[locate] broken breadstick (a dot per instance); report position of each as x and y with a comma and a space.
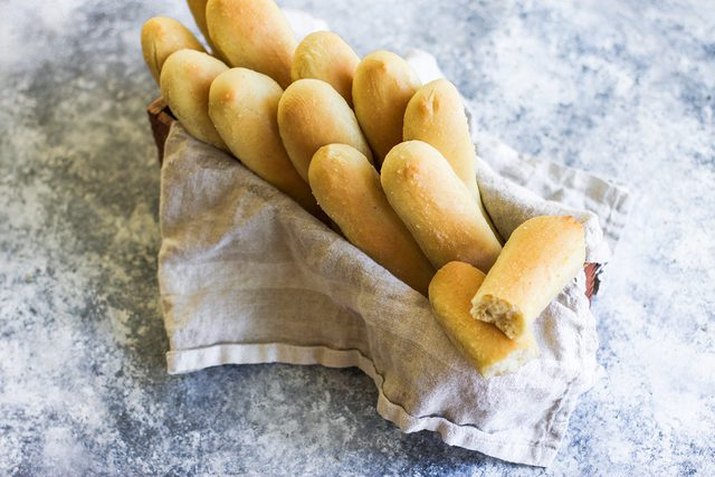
542, 255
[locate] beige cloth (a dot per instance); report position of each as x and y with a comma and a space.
247, 276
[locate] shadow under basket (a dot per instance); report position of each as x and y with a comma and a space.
161, 118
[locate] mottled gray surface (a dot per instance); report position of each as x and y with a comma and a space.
620, 88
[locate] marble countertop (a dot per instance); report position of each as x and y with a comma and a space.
622, 89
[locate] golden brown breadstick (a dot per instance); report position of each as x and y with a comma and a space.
542, 255
482, 344
162, 36
435, 115
311, 114
325, 56
348, 189
185, 81
243, 105
198, 11
253, 34
382, 87
437, 207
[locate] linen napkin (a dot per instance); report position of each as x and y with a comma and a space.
247, 276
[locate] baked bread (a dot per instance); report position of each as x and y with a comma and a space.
325, 56
198, 11
348, 189
542, 255
243, 106
435, 115
311, 114
482, 344
185, 81
162, 36
437, 207
382, 87
253, 34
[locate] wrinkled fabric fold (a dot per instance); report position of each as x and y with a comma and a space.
247, 276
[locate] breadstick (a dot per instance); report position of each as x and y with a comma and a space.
348, 189
437, 207
243, 106
482, 344
542, 255
253, 34
435, 115
382, 87
198, 11
185, 81
311, 114
325, 56
162, 36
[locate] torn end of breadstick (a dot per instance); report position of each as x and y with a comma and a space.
540, 258
505, 316
489, 350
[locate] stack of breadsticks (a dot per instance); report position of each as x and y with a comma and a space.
389, 160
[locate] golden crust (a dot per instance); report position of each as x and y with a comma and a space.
348, 189
325, 56
482, 344
243, 105
435, 115
382, 87
162, 36
185, 82
311, 114
253, 34
198, 11
539, 259
437, 207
